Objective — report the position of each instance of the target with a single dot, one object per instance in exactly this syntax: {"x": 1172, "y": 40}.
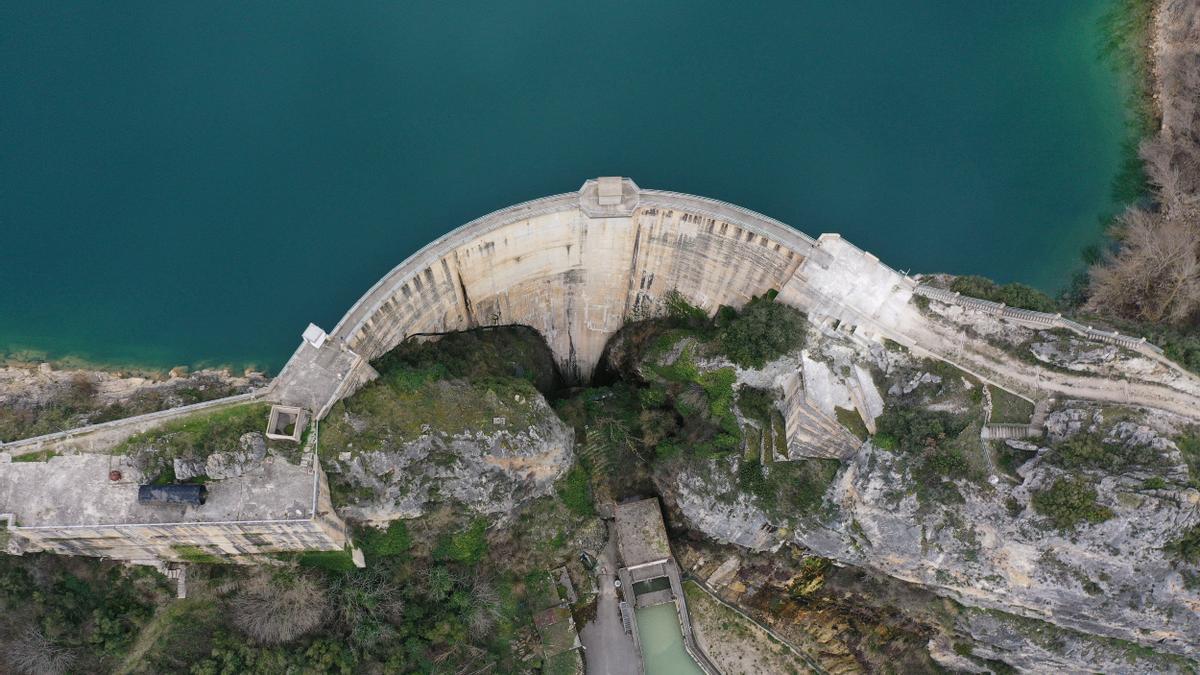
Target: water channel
{"x": 662, "y": 642}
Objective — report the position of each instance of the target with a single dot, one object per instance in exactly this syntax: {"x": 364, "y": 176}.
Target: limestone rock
{"x": 252, "y": 448}
{"x": 488, "y": 471}
{"x": 186, "y": 469}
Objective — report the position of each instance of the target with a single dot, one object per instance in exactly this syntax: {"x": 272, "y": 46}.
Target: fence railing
{"x": 1039, "y": 319}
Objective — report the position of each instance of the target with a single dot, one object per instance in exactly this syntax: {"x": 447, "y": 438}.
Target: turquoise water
{"x": 662, "y": 642}
{"x": 194, "y": 182}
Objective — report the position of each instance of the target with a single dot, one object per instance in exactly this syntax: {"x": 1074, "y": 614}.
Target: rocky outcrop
{"x": 994, "y": 551}
{"x": 489, "y": 472}
{"x": 252, "y": 449}
{"x": 1109, "y": 587}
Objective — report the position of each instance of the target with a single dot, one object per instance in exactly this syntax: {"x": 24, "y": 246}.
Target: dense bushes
{"x": 1013, "y": 295}
{"x": 1089, "y": 451}
{"x": 384, "y": 543}
{"x": 931, "y": 440}
{"x": 62, "y": 612}
{"x": 1070, "y": 502}
{"x": 576, "y": 492}
{"x": 500, "y": 352}
{"x": 787, "y": 490}
{"x": 764, "y": 330}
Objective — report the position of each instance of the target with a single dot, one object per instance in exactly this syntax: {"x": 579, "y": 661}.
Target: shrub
{"x": 33, "y": 653}
{"x": 576, "y": 492}
{"x": 277, "y": 608}
{"x": 1013, "y": 295}
{"x": 467, "y": 546}
{"x": 1187, "y": 546}
{"x": 1070, "y": 502}
{"x": 679, "y": 310}
{"x": 387, "y": 543}
{"x": 1089, "y": 451}
{"x": 763, "y": 330}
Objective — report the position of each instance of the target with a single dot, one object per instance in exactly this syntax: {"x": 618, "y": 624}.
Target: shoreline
{"x": 31, "y": 359}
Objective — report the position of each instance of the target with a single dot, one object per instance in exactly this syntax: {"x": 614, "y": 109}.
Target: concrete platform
{"x": 75, "y": 490}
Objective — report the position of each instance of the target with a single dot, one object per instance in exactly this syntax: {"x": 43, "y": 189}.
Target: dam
{"x": 576, "y": 267}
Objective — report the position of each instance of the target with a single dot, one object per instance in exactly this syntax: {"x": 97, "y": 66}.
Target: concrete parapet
{"x": 100, "y": 437}
{"x": 1040, "y": 319}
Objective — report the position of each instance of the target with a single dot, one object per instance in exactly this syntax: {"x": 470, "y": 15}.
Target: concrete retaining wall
{"x": 1040, "y": 320}
{"x": 101, "y": 437}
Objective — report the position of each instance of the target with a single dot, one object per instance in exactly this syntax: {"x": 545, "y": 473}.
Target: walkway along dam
{"x": 578, "y": 266}
{"x": 575, "y": 267}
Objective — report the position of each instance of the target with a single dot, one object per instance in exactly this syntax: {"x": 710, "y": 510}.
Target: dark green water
{"x": 194, "y": 182}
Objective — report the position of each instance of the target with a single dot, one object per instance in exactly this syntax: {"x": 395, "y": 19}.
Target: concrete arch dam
{"x": 578, "y": 266}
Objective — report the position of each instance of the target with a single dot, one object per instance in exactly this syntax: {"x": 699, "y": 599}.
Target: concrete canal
{"x": 662, "y": 642}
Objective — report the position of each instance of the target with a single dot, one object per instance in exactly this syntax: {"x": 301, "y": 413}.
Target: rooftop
{"x": 76, "y": 490}
{"x": 641, "y": 535}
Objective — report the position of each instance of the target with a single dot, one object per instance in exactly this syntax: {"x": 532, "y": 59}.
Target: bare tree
{"x": 33, "y": 653}
{"x": 485, "y": 608}
{"x": 280, "y": 607}
{"x": 1155, "y": 276}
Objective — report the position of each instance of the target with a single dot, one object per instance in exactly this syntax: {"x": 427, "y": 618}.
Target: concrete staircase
{"x": 812, "y": 433}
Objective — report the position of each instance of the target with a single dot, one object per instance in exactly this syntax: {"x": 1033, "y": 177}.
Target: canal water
{"x": 662, "y": 642}
{"x": 195, "y": 182}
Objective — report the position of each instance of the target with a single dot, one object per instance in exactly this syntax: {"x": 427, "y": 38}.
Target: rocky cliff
{"x": 1075, "y": 529}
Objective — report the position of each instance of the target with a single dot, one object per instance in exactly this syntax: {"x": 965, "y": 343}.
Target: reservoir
{"x": 662, "y": 642}
{"x": 192, "y": 183}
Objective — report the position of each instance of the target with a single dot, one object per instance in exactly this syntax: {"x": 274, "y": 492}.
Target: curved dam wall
{"x": 578, "y": 266}
{"x": 575, "y": 267}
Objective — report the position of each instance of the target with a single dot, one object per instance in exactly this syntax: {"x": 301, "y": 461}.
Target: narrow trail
{"x": 989, "y": 362}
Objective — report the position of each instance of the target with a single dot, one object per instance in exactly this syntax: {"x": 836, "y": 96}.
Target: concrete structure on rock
{"x": 576, "y": 267}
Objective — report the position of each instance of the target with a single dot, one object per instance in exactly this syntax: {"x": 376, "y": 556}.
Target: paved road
{"x": 609, "y": 651}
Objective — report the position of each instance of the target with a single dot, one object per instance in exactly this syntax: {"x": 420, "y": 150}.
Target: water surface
{"x": 662, "y": 642}
{"x": 195, "y": 182}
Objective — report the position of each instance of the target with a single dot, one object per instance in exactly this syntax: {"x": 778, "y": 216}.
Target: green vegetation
{"x": 1189, "y": 447}
{"x": 924, "y": 434}
{"x": 788, "y": 491}
{"x": 483, "y": 353}
{"x": 76, "y": 402}
{"x": 332, "y": 561}
{"x": 406, "y": 402}
{"x": 194, "y": 437}
{"x": 436, "y": 598}
{"x": 1009, "y": 408}
{"x": 1070, "y": 502}
{"x": 853, "y": 422}
{"x": 78, "y": 615}
{"x": 41, "y": 456}
{"x": 576, "y": 492}
{"x": 386, "y": 543}
{"x": 1187, "y": 546}
{"x": 195, "y": 554}
{"x": 1089, "y": 451}
{"x": 1013, "y": 295}
{"x": 763, "y": 331}
{"x": 466, "y": 546}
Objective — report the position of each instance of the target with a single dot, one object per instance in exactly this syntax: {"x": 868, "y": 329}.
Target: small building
{"x": 642, "y": 538}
